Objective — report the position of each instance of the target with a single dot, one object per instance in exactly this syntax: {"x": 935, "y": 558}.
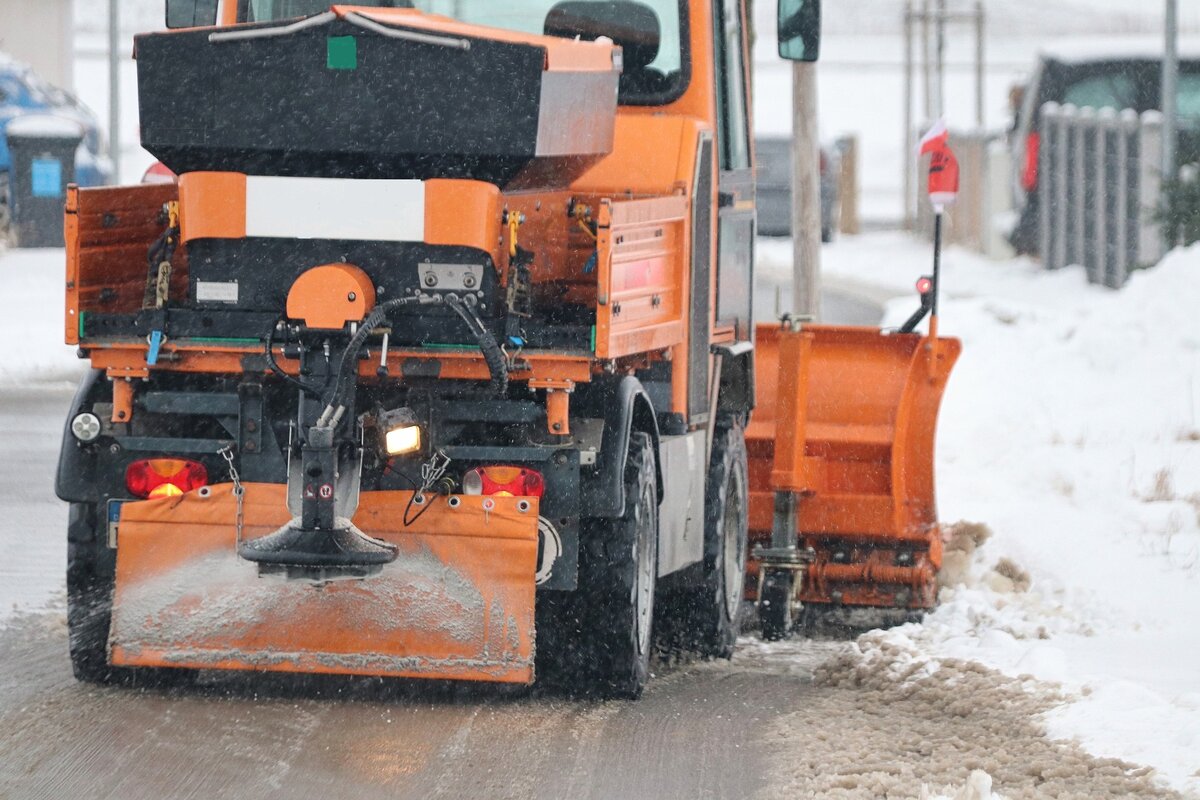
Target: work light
{"x": 402, "y": 433}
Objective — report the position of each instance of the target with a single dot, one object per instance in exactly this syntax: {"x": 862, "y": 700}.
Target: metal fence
{"x": 1099, "y": 182}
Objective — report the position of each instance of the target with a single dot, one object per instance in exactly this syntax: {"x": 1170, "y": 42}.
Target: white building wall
{"x": 41, "y": 34}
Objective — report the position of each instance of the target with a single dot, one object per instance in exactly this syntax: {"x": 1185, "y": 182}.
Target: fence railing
{"x": 1099, "y": 181}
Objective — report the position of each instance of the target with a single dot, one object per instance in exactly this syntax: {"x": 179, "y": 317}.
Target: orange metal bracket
{"x": 558, "y": 403}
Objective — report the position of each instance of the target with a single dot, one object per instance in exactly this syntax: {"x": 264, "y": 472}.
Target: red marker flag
{"x": 943, "y": 166}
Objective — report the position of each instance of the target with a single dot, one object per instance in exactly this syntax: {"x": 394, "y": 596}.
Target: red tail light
{"x": 1029, "y": 176}
{"x": 504, "y": 481}
{"x": 164, "y": 477}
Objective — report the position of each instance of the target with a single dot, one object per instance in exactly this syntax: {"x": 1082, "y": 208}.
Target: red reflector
{"x": 507, "y": 481}
{"x": 924, "y": 286}
{"x": 164, "y": 477}
{"x": 1029, "y": 176}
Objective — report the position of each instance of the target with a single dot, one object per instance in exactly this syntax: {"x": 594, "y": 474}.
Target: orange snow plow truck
{"x": 437, "y": 359}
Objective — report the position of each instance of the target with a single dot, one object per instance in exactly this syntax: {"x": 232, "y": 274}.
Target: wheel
{"x": 602, "y": 634}
{"x": 705, "y": 618}
{"x": 90, "y": 582}
{"x": 776, "y": 607}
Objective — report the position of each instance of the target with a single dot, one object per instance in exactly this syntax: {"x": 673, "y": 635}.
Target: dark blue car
{"x": 23, "y": 92}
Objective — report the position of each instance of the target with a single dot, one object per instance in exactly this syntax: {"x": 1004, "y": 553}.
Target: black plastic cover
{"x": 284, "y": 105}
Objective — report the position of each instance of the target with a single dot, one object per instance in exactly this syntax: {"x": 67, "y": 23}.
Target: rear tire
{"x": 90, "y": 584}
{"x": 602, "y": 634}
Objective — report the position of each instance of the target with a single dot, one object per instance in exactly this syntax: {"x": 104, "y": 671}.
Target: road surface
{"x": 759, "y": 726}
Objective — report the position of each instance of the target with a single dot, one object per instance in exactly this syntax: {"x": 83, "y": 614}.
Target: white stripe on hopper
{"x": 335, "y": 208}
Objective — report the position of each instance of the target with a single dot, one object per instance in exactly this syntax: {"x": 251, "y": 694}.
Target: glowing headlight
{"x": 403, "y": 439}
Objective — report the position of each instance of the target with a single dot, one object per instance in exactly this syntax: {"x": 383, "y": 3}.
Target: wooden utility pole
{"x": 806, "y": 193}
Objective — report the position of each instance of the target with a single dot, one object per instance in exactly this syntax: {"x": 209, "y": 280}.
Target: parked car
{"x": 22, "y": 92}
{"x": 1119, "y": 75}
{"x": 774, "y": 192}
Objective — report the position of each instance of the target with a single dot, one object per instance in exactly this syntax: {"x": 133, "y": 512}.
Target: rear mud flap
{"x": 458, "y": 603}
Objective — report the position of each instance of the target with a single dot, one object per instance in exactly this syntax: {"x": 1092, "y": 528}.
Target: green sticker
{"x": 342, "y": 52}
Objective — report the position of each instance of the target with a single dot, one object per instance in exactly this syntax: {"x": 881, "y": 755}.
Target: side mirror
{"x": 191, "y": 13}
{"x": 799, "y": 29}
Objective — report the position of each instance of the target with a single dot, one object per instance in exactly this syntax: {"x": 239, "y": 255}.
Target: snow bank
{"x": 1071, "y": 427}
{"x": 32, "y": 323}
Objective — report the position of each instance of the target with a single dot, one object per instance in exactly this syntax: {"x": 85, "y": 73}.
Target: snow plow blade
{"x": 457, "y": 603}
{"x": 845, "y": 417}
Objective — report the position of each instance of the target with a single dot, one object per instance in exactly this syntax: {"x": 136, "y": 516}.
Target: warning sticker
{"x": 216, "y": 291}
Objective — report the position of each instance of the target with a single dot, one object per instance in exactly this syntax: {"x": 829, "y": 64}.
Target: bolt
{"x": 431, "y": 280}
{"x": 114, "y": 448}
{"x": 352, "y": 297}
{"x": 251, "y": 425}
{"x": 558, "y": 427}
{"x": 250, "y": 447}
{"x": 469, "y": 281}
{"x": 559, "y": 458}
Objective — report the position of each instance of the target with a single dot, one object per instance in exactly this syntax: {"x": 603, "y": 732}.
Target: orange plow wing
{"x": 458, "y": 603}
{"x": 846, "y": 418}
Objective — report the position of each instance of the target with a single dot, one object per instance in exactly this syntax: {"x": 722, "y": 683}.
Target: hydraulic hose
{"x": 493, "y": 356}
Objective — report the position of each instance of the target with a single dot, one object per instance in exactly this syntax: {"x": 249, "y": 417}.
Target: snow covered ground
{"x": 1071, "y": 429}
{"x": 33, "y": 319}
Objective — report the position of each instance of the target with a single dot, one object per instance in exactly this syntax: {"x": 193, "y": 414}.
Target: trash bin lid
{"x": 44, "y": 126}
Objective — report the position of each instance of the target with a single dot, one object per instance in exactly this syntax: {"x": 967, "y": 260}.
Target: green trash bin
{"x": 42, "y": 148}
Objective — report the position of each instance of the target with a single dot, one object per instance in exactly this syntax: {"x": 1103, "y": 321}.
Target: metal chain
{"x": 432, "y": 472}
{"x": 239, "y": 491}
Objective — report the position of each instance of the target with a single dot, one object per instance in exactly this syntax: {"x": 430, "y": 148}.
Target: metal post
{"x": 1066, "y": 119}
{"x": 906, "y": 154}
{"x": 1077, "y": 192}
{"x": 806, "y": 193}
{"x": 1170, "y": 82}
{"x": 1127, "y": 191}
{"x": 1150, "y": 177}
{"x": 980, "y": 30}
{"x": 926, "y": 61}
{"x": 114, "y": 87}
{"x": 1049, "y": 166}
{"x": 1119, "y": 221}
{"x": 1101, "y": 196}
{"x": 940, "y": 105}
